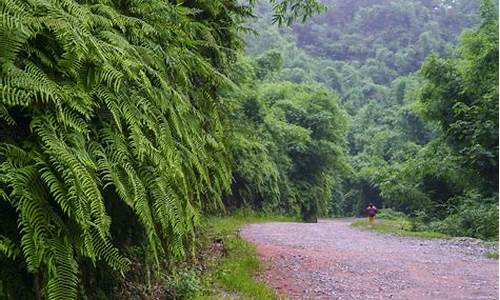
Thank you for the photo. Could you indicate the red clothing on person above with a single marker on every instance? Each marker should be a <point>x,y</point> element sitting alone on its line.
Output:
<point>372,211</point>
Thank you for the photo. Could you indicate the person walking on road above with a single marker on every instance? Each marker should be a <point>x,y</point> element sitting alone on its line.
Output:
<point>372,212</point>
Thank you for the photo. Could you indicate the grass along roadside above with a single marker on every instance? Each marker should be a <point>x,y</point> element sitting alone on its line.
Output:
<point>397,226</point>
<point>231,274</point>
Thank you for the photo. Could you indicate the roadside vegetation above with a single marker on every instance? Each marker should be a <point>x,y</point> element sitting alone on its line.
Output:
<point>234,272</point>
<point>226,265</point>
<point>115,113</point>
<point>390,221</point>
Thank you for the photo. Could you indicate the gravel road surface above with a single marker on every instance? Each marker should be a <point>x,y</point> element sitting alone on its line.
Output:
<point>331,260</point>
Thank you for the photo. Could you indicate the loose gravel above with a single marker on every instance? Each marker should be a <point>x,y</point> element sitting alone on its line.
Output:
<point>331,260</point>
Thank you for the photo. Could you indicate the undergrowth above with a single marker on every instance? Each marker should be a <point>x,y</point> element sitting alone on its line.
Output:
<point>228,263</point>
<point>400,226</point>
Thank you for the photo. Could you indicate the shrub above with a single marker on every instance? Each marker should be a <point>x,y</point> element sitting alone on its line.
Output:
<point>183,284</point>
<point>391,214</point>
<point>474,217</point>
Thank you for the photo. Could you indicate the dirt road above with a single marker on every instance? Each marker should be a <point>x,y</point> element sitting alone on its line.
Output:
<point>331,260</point>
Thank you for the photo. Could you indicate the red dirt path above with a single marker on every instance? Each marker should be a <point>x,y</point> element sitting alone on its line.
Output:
<point>331,260</point>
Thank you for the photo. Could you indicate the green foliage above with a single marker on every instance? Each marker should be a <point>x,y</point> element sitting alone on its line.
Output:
<point>98,108</point>
<point>144,113</point>
<point>287,11</point>
<point>233,273</point>
<point>474,216</point>
<point>390,214</point>
<point>398,226</point>
<point>461,96</point>
<point>268,63</point>
<point>110,114</point>
<point>399,34</point>
<point>317,157</point>
<point>183,284</point>
<point>427,181</point>
<point>418,141</point>
<point>287,143</point>
<point>365,51</point>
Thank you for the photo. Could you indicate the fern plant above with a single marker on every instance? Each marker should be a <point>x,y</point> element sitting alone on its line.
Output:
<point>99,99</point>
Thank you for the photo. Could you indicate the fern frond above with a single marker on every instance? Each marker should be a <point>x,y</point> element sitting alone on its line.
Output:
<point>109,98</point>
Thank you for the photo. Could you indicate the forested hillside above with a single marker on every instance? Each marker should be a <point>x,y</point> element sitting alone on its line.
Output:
<point>124,123</point>
<point>418,79</point>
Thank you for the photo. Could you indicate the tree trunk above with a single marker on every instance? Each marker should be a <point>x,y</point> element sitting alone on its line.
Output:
<point>36,286</point>
<point>309,214</point>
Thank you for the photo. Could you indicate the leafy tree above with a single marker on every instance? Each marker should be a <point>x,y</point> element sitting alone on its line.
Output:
<point>461,96</point>
<point>268,64</point>
<point>454,178</point>
<point>318,161</point>
<point>287,143</point>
